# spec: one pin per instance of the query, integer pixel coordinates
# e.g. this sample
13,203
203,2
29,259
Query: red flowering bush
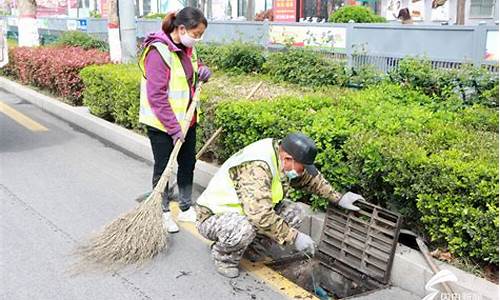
56,69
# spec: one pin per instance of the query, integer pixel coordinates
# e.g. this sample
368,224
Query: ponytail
189,17
168,23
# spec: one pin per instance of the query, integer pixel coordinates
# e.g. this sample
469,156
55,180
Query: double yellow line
261,271
21,118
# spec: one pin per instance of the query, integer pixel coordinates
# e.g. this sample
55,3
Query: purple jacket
158,78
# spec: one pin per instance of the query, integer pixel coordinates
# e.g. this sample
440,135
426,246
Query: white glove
348,199
304,242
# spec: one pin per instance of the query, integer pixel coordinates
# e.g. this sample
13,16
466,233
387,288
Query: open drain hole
310,274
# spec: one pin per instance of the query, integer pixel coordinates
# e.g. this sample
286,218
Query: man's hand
348,199
304,242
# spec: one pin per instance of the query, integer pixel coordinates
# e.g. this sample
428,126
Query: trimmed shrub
242,58
248,121
55,69
305,67
112,92
235,58
210,54
358,14
155,16
81,39
365,76
471,84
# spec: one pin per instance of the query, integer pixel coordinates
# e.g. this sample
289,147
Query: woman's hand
204,73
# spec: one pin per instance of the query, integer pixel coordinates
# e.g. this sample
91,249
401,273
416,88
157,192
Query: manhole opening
311,274
354,256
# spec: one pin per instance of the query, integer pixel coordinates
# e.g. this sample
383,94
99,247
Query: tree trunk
127,30
115,50
28,30
209,9
250,10
202,6
460,12
329,8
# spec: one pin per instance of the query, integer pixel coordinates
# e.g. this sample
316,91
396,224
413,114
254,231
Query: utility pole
115,50
27,27
127,30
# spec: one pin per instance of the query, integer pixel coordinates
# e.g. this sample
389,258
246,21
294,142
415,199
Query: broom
138,235
202,150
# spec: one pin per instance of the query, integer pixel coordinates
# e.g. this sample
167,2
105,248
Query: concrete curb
409,272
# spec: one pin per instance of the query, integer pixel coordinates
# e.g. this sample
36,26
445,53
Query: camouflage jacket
252,181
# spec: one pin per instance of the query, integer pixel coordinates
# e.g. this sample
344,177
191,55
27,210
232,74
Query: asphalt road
57,186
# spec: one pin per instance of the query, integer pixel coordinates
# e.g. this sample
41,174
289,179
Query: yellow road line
21,119
275,280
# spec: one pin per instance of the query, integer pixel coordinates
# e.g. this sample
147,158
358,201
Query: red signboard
285,10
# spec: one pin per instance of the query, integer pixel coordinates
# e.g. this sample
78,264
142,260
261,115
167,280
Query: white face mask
187,40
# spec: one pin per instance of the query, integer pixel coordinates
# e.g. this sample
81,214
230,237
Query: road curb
410,271
125,139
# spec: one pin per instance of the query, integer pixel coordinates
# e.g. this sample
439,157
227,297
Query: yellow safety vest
220,195
178,88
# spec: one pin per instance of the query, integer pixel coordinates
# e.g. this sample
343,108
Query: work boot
169,223
227,270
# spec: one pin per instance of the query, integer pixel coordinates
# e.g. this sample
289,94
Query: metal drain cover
360,245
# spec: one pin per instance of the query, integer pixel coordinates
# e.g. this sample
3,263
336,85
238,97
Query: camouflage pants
233,233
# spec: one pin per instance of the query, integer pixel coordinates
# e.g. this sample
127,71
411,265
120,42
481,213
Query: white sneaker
169,223
187,216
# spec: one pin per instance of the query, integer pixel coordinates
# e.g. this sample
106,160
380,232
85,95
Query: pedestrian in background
171,70
404,16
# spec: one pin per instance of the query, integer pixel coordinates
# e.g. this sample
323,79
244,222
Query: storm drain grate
360,245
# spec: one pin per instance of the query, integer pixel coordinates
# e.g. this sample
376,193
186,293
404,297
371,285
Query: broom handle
219,130
165,176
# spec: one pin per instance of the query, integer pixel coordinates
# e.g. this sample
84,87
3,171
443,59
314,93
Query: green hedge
387,144
82,40
358,14
236,57
248,121
305,67
471,84
112,92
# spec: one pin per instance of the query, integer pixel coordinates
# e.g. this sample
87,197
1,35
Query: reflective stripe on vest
220,195
178,88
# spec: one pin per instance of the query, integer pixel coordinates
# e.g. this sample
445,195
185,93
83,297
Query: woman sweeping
171,71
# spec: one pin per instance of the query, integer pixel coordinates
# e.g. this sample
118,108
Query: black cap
302,149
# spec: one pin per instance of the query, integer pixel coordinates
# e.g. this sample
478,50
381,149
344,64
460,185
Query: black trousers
162,146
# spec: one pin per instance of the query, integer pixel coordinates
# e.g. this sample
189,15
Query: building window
482,8
242,8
